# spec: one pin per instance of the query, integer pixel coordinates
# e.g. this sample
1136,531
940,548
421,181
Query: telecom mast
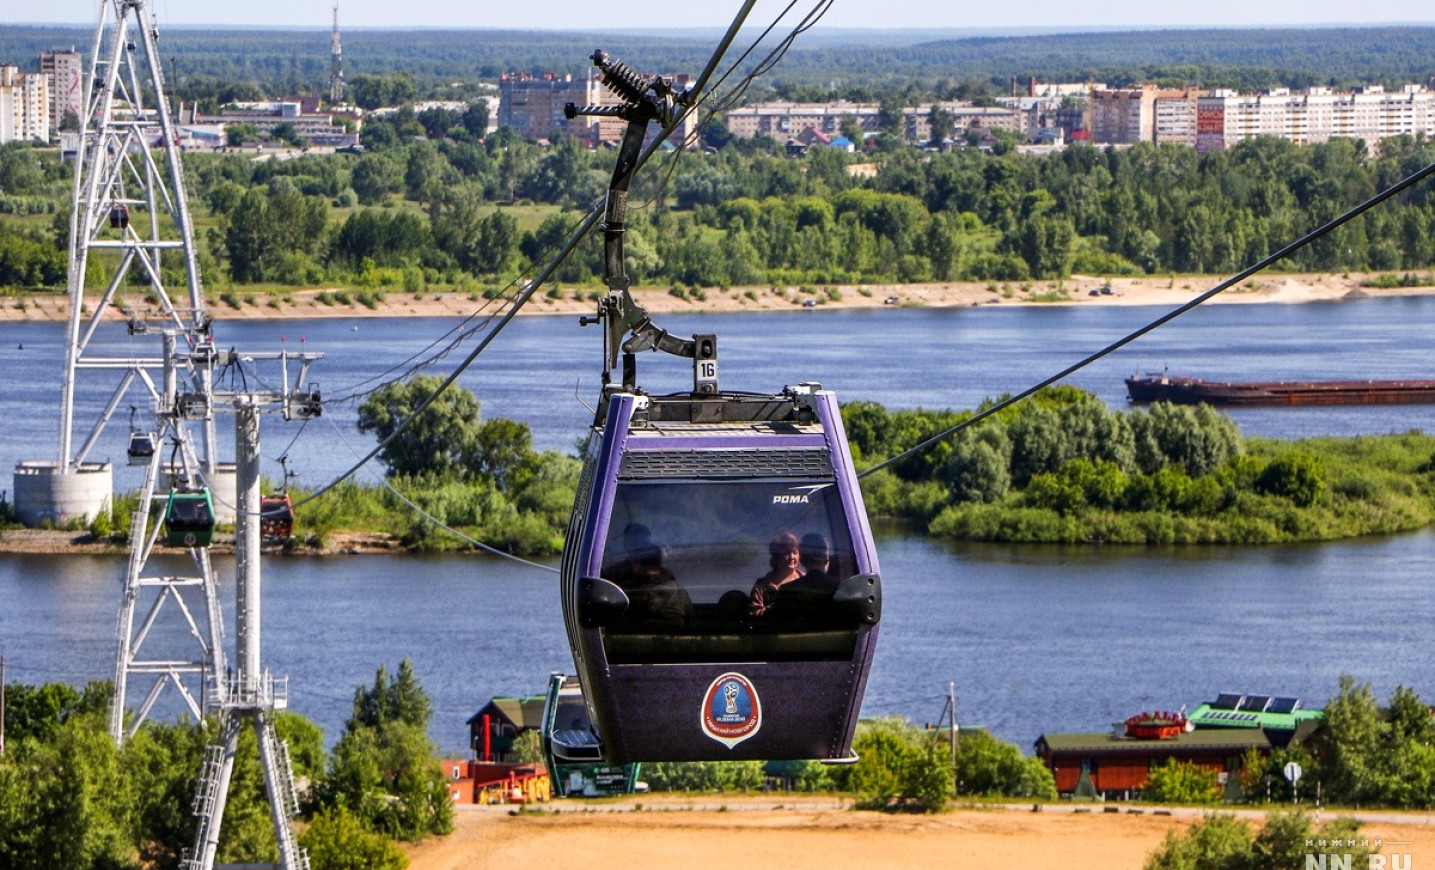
336,65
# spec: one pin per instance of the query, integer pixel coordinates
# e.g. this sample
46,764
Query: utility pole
949,716
2,703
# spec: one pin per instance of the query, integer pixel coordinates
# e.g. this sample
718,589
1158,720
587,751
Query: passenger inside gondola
654,596
800,594
687,555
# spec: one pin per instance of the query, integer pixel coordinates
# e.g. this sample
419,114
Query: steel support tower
130,213
248,694
130,236
336,64
190,654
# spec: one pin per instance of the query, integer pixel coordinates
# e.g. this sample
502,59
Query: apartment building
24,105
1315,115
782,120
533,105
1125,116
66,72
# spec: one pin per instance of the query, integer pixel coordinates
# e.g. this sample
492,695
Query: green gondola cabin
189,519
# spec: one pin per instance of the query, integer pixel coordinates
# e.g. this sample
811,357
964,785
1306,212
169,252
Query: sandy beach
801,833
1078,290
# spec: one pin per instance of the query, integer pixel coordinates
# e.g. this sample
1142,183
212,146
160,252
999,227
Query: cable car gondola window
691,554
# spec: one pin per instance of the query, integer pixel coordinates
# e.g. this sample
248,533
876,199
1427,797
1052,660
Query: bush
1298,477
990,767
1182,782
900,768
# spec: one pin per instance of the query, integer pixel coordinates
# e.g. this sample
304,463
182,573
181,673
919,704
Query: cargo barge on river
1181,390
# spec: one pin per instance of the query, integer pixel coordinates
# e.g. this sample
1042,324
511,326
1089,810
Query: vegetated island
1060,467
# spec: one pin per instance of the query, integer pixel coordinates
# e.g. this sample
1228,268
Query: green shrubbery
1219,842
1063,468
899,768
70,799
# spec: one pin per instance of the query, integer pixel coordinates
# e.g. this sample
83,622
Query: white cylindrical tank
45,495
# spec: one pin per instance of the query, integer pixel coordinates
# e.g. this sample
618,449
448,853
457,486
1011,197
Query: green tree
374,177
1197,438
899,768
236,135
712,776
1296,476
940,121
1223,842
994,768
475,119
384,770
436,441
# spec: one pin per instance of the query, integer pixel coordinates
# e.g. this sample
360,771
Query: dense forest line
296,60
429,206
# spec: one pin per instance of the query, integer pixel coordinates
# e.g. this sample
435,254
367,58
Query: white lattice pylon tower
129,221
182,621
130,218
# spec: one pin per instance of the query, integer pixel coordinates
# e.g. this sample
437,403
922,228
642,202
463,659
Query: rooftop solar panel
1227,701
1256,703
1284,705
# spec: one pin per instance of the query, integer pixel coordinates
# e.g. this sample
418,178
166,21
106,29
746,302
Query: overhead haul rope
522,298
1399,187
419,361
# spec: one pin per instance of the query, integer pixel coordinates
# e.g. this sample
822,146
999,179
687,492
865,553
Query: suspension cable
1399,187
527,293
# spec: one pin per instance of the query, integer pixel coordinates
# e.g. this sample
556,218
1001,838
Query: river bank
61,542
1078,290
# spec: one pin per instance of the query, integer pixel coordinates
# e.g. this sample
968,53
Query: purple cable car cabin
680,510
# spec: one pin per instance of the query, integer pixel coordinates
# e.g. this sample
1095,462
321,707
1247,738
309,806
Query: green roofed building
1282,719
493,729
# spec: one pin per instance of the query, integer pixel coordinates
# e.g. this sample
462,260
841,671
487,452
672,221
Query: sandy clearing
804,834
1169,291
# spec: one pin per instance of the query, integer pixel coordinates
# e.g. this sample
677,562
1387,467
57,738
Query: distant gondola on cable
141,447
276,518
119,216
720,583
276,512
189,519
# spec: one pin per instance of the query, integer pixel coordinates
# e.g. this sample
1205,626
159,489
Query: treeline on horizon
292,61
429,207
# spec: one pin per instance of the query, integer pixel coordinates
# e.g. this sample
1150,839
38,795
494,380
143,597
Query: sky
647,14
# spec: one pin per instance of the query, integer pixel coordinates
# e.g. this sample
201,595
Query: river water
1035,638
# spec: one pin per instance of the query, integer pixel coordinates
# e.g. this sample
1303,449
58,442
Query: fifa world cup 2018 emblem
729,693
731,711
